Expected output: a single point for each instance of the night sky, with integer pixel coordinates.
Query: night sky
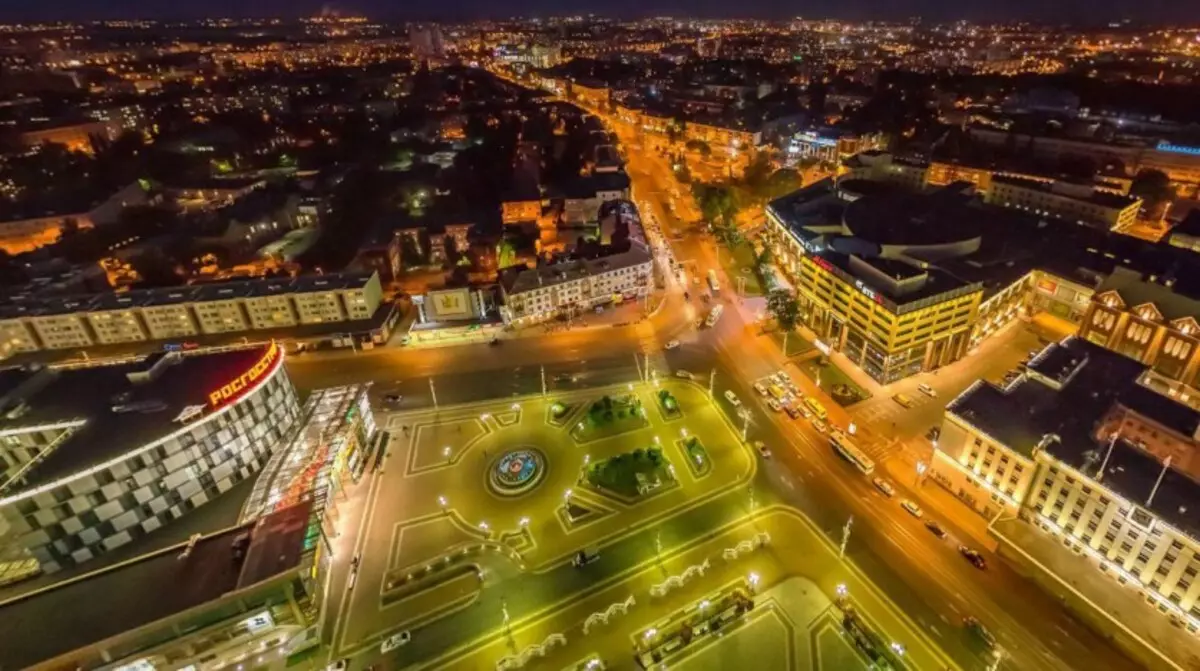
(1090, 11)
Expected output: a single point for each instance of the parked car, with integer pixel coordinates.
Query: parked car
(760, 388)
(394, 399)
(884, 486)
(935, 529)
(792, 411)
(903, 400)
(671, 344)
(684, 374)
(819, 425)
(732, 398)
(774, 405)
(927, 390)
(973, 556)
(762, 449)
(912, 508)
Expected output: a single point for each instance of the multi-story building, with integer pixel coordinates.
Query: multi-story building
(535, 294)
(1147, 319)
(860, 287)
(1061, 448)
(92, 458)
(1091, 204)
(1079, 203)
(29, 324)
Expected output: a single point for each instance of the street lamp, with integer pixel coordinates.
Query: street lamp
(567, 497)
(897, 648)
(442, 503)
(753, 580)
(516, 406)
(921, 468)
(446, 451)
(484, 526)
(523, 522)
(841, 590)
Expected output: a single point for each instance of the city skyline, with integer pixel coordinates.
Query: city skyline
(1077, 12)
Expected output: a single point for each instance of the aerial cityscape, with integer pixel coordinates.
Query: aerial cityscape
(579, 342)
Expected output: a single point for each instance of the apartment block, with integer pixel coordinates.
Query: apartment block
(28, 324)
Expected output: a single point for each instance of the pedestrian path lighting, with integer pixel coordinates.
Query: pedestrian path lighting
(484, 526)
(485, 416)
(897, 648)
(446, 452)
(442, 503)
(921, 468)
(753, 580)
(852, 428)
(567, 497)
(523, 523)
(516, 406)
(841, 590)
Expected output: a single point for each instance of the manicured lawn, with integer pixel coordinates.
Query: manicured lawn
(739, 262)
(609, 417)
(669, 404)
(835, 383)
(796, 344)
(619, 474)
(697, 456)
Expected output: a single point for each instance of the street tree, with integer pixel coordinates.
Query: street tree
(1154, 188)
(783, 306)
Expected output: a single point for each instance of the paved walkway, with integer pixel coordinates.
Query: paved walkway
(796, 549)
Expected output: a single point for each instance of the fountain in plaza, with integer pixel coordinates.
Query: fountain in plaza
(516, 472)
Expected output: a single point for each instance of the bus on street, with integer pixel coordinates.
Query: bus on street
(850, 452)
(714, 315)
(712, 281)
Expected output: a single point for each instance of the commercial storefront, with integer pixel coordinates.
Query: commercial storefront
(138, 446)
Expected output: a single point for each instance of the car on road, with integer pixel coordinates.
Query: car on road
(927, 390)
(805, 412)
(760, 388)
(792, 411)
(819, 425)
(904, 401)
(973, 556)
(685, 375)
(762, 449)
(395, 641)
(912, 508)
(935, 529)
(976, 627)
(774, 405)
(392, 398)
(884, 486)
(339, 665)
(732, 398)
(671, 344)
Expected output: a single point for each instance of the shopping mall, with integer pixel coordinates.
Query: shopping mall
(93, 458)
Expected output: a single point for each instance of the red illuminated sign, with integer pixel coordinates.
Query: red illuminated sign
(233, 390)
(823, 263)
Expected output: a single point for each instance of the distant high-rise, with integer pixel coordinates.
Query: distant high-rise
(426, 42)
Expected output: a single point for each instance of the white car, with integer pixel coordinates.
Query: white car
(395, 641)
(819, 425)
(927, 390)
(760, 388)
(912, 508)
(762, 449)
(884, 486)
(774, 405)
(732, 398)
(684, 374)
(672, 344)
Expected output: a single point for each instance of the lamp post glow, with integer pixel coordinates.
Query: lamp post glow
(753, 580)
(845, 537)
(921, 468)
(567, 497)
(841, 590)
(446, 452)
(484, 526)
(442, 502)
(523, 522)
